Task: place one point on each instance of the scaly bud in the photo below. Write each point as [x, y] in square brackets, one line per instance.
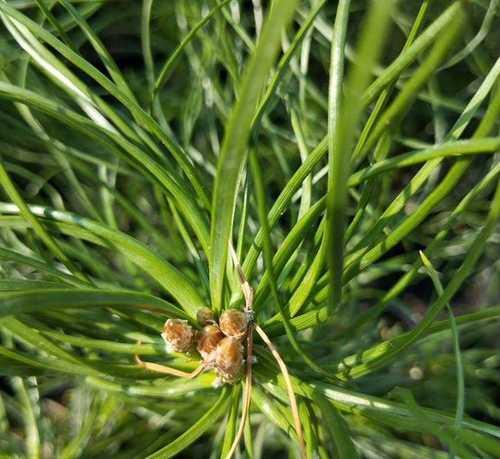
[178, 335]
[233, 323]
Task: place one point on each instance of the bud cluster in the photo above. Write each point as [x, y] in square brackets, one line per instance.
[219, 344]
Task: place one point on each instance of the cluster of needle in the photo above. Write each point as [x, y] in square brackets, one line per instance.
[219, 344]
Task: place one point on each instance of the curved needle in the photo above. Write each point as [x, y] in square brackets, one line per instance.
[168, 370]
[289, 387]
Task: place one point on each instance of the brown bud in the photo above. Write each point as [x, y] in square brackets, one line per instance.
[205, 316]
[229, 359]
[208, 339]
[178, 334]
[233, 323]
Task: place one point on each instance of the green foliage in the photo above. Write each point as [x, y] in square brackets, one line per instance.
[347, 150]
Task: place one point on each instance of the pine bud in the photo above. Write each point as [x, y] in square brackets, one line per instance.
[208, 339]
[229, 359]
[205, 316]
[178, 335]
[233, 323]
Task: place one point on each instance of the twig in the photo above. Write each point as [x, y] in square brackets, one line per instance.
[248, 294]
